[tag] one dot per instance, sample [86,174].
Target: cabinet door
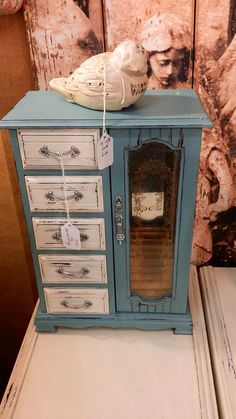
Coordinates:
[149,176]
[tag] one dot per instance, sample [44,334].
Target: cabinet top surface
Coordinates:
[180,108]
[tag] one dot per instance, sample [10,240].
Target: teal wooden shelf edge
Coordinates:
[159,108]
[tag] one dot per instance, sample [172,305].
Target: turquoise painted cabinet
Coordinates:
[134,219]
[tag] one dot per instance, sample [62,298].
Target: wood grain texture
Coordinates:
[218,286]
[61,36]
[202,352]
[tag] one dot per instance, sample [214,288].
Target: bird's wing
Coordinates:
[89,77]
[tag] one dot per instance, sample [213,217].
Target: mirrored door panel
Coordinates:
[153,172]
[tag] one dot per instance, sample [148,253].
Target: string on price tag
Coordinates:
[70,234]
[105,142]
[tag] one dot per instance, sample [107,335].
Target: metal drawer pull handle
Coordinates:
[83,272]
[52,198]
[84,237]
[84,305]
[73,152]
[119,219]
[57,237]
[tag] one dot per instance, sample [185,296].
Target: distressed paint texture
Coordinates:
[215,80]
[62,36]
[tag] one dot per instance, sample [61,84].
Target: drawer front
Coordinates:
[81,301]
[73,269]
[39,148]
[46,193]
[48,233]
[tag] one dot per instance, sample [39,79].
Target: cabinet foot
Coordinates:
[185,330]
[46,327]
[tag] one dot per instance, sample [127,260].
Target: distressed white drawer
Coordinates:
[73,268]
[48,232]
[39,148]
[46,193]
[70,300]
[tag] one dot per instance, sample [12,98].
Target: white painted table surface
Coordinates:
[219,296]
[114,374]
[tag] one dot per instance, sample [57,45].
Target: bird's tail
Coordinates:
[58,85]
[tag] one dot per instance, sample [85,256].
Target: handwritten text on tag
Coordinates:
[70,236]
[105,151]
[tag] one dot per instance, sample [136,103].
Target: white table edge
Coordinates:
[219,342]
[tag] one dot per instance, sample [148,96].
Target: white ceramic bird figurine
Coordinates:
[124,72]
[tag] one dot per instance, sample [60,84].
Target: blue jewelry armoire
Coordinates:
[135,218]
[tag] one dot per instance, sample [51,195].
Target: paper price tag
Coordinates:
[70,236]
[105,151]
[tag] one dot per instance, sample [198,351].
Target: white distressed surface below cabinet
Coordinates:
[48,232]
[90,301]
[219,296]
[71,267]
[46,193]
[31,141]
[181,363]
